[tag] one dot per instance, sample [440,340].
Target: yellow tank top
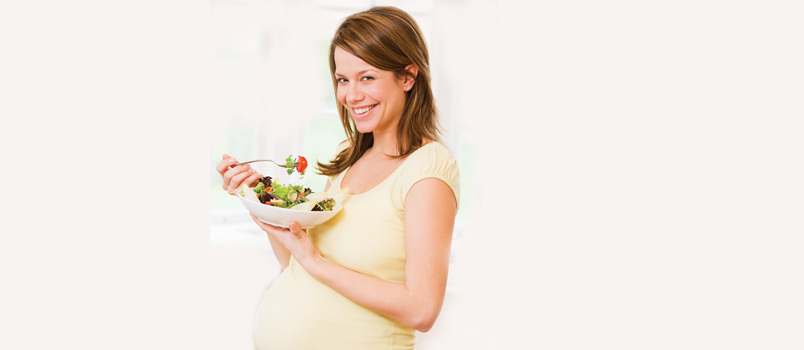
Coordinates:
[368,236]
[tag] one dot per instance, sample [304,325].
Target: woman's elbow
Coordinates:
[425,321]
[424,327]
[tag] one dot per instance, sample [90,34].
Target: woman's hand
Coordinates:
[235,177]
[294,239]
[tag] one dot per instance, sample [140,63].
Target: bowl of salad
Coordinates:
[279,204]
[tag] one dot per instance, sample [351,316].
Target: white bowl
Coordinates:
[283,216]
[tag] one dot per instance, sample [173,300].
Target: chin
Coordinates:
[364,128]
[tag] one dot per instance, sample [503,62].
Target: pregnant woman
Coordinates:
[377,272]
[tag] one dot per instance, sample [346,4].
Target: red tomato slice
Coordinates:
[302,164]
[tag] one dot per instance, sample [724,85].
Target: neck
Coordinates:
[385,143]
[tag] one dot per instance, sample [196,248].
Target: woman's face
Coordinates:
[375,98]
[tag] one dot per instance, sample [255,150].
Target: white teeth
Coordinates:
[363,110]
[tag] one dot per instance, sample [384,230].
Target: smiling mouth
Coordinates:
[364,110]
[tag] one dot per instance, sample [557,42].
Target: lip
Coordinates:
[364,114]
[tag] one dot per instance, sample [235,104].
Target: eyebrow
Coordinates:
[358,73]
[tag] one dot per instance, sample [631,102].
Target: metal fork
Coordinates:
[262,160]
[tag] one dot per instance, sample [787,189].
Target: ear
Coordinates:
[410,76]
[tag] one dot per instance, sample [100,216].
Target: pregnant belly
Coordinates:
[299,312]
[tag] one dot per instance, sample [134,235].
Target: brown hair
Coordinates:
[389,39]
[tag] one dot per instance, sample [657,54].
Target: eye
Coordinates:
[341,80]
[368,78]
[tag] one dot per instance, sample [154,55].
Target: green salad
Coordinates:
[290,196]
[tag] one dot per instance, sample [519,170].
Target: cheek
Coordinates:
[341,96]
[377,93]
[396,98]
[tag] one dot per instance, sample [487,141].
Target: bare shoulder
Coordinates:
[432,193]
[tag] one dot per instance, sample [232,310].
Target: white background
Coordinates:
[663,209]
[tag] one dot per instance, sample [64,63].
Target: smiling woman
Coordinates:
[394,78]
[392,237]
[269,52]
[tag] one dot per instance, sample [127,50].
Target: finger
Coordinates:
[225,164]
[271,229]
[253,179]
[258,221]
[262,225]
[231,173]
[250,181]
[295,229]
[237,181]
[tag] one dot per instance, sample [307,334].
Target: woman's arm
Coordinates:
[235,177]
[281,253]
[428,236]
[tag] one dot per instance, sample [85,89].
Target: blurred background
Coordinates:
[273,97]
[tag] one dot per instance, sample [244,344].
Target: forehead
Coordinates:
[346,62]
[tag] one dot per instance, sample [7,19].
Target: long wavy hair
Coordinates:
[389,39]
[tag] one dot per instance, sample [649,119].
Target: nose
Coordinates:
[353,94]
